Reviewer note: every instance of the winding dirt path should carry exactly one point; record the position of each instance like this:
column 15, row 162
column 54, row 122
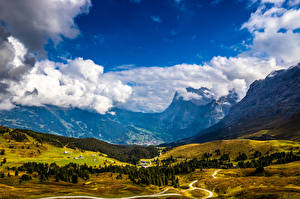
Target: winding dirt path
column 210, row 194
column 215, row 173
column 132, row 197
column 161, row 194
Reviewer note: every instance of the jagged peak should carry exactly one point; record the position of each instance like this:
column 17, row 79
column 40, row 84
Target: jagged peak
column 199, row 96
column 203, row 96
column 281, row 71
column 274, row 73
column 231, row 98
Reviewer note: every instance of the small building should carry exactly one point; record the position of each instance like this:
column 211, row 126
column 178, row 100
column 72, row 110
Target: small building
column 79, row 157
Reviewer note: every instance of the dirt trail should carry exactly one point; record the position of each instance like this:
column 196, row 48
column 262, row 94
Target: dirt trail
column 210, row 194
column 132, row 197
column 215, row 173
column 161, row 194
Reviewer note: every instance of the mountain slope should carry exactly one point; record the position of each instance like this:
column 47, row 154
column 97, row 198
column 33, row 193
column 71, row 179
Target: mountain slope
column 271, row 104
column 183, row 118
column 233, row 148
column 123, row 153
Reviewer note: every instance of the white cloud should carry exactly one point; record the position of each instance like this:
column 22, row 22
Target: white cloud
column 20, row 51
column 265, row 25
column 33, row 22
column 5, row 104
column 14, row 60
column 274, row 2
column 154, row 87
column 79, row 83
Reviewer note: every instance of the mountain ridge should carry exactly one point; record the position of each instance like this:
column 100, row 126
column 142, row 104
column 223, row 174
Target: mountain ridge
column 269, row 104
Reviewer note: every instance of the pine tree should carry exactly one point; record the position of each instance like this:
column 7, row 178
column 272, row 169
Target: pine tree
column 74, row 179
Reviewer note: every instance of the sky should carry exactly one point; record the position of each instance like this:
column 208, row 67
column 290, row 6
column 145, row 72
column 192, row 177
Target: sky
column 135, row 54
column 157, row 32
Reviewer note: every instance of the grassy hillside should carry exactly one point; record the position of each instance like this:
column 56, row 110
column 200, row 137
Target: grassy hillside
column 106, row 185
column 232, row 147
column 280, row 181
column 29, row 150
column 122, row 153
column 287, row 130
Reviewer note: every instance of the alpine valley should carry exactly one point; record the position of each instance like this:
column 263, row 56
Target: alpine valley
column 183, row 118
column 137, row 99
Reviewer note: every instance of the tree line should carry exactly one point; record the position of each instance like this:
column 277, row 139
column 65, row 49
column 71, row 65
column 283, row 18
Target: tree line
column 162, row 174
column 159, row 175
column 274, row 158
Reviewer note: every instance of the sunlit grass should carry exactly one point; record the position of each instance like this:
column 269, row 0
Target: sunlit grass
column 232, row 147
column 32, row 151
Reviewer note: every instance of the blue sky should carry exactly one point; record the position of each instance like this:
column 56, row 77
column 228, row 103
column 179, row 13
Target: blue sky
column 157, row 33
column 135, row 54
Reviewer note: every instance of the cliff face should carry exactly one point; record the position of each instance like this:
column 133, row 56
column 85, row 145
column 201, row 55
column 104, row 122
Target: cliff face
column 189, row 116
column 268, row 105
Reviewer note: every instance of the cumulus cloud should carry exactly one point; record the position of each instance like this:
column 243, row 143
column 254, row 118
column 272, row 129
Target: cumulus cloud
column 14, row 63
column 78, row 83
column 28, row 27
column 154, row 87
column 273, row 29
column 14, row 60
column 34, row 22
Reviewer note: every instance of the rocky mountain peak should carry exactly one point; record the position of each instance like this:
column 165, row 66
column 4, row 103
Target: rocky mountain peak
column 270, row 104
column 198, row 97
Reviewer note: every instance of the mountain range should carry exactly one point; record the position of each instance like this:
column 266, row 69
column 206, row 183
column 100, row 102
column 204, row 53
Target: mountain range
column 270, row 110
column 183, row 118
